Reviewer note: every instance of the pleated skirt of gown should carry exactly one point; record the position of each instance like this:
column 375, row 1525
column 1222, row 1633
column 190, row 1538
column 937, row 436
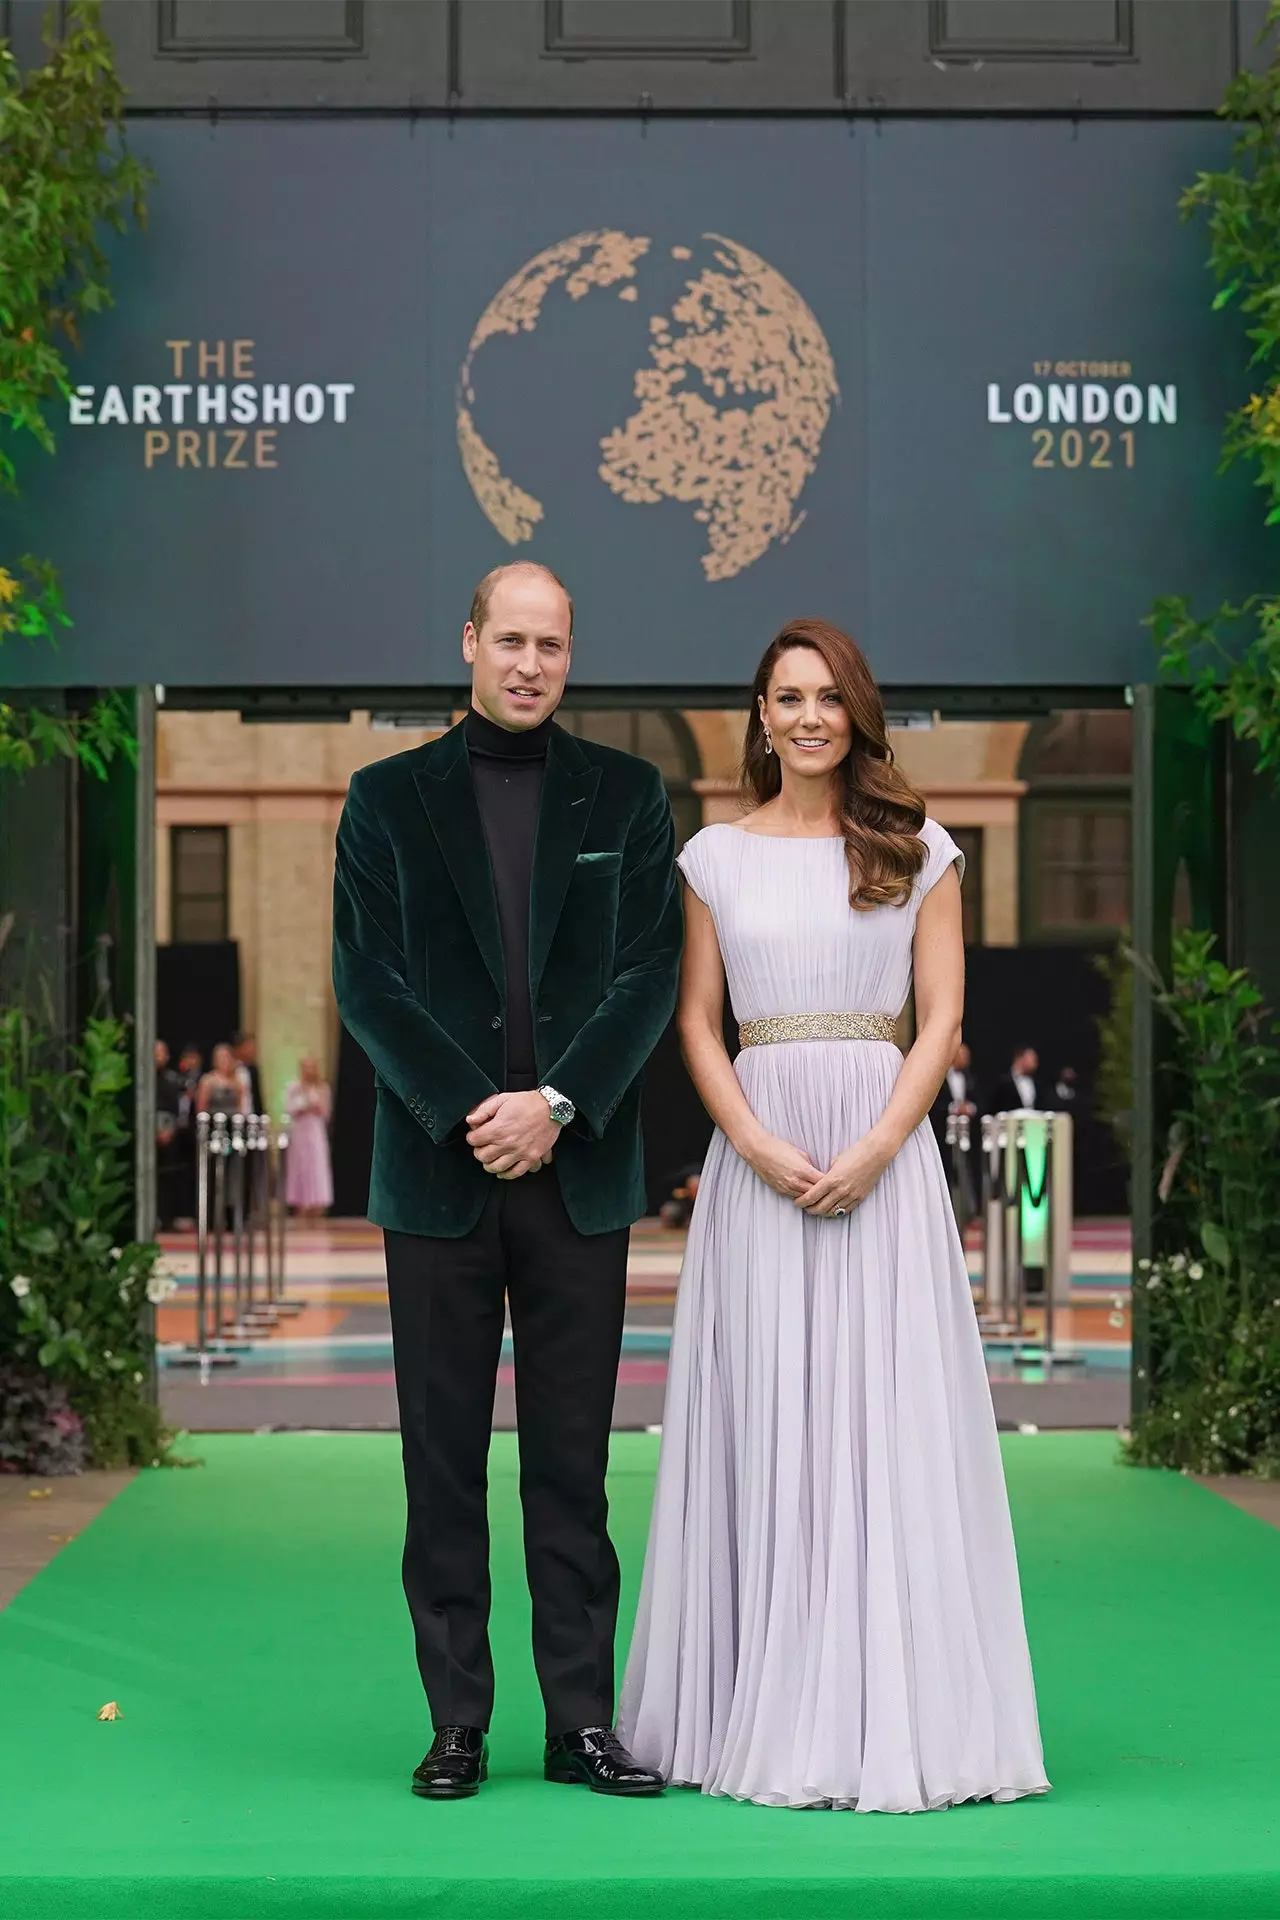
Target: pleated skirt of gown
column 831, row 1610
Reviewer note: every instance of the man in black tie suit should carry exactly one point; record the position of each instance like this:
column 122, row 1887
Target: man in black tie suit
column 1021, row 1086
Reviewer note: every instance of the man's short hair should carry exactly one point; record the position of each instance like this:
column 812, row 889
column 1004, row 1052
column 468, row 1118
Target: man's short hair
column 484, row 592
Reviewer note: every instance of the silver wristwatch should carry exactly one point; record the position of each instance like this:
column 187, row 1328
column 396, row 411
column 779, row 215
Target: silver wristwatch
column 562, row 1110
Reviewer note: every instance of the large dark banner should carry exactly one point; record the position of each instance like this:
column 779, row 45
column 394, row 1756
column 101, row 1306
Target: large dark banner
column 956, row 386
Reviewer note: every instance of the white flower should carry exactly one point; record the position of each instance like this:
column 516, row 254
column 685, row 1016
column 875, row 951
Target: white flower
column 137, row 1379
column 1233, row 1411
column 115, row 1253
column 1143, row 1265
column 107, row 1354
column 1153, row 1283
column 1196, row 1271
column 159, row 1287
column 20, row 1285
column 124, row 1291
column 1179, row 1262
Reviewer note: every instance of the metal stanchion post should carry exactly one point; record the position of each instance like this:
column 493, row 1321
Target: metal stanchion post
column 1019, row 1271
column 280, row 1137
column 200, row 1354
column 257, row 1314
column 227, row 1339
column 250, row 1318
column 202, row 1231
column 994, row 1318
column 1049, row 1276
column 957, row 1144
column 235, row 1172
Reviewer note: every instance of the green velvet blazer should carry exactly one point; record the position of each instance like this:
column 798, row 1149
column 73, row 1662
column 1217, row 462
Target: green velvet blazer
column 420, row 978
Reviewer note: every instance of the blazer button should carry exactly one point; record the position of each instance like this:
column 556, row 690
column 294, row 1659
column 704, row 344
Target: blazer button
column 496, row 1021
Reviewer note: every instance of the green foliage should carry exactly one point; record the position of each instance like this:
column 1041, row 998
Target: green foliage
column 1231, row 661
column 1214, row 1304
column 74, row 1287
column 65, row 176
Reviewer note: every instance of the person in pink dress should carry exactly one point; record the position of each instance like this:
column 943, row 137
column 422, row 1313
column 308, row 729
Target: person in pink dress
column 309, row 1181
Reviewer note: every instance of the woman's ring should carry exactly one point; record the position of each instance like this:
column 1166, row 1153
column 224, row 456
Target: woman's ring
column 838, row 1213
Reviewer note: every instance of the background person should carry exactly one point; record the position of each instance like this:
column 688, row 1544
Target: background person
column 245, row 1048
column 169, row 1165
column 309, row 1178
column 190, row 1073
column 1021, row 1085
column 224, row 1089
column 677, row 1210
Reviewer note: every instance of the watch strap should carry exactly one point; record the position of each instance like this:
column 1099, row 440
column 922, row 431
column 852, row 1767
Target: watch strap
column 562, row 1108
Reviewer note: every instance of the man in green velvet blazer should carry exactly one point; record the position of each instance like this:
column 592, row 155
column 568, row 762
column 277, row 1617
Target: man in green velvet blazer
column 507, row 933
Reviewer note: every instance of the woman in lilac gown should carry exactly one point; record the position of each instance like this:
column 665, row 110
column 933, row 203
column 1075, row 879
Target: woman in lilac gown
column 830, row 1612
column 309, row 1177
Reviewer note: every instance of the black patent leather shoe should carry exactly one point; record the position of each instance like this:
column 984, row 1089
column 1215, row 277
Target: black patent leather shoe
column 595, row 1757
column 458, row 1760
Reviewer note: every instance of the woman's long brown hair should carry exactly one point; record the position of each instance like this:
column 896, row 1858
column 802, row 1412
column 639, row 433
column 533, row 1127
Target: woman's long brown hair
column 881, row 814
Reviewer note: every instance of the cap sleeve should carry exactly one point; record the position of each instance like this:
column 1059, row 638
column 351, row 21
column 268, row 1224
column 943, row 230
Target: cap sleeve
column 941, row 853
column 694, row 863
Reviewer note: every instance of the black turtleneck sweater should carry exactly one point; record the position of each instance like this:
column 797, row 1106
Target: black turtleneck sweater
column 507, row 769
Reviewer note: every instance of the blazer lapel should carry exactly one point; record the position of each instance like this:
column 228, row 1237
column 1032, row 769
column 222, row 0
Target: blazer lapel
column 568, row 791
column 448, row 793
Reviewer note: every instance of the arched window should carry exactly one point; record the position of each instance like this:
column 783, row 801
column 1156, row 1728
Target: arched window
column 656, row 734
column 1075, row 827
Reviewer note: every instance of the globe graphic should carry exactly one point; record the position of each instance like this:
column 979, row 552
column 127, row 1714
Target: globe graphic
column 725, row 415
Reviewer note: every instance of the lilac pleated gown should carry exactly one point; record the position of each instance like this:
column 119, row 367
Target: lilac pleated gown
column 830, row 1609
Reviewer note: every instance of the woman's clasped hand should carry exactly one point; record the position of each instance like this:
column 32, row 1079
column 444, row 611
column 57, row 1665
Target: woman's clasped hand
column 832, row 1193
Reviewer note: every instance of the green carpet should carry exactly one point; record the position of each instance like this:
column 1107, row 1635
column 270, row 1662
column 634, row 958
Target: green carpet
column 248, row 1619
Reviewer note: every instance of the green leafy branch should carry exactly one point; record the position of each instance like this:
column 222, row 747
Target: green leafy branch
column 75, row 1288
column 1231, row 661
column 66, row 175
column 1214, row 1304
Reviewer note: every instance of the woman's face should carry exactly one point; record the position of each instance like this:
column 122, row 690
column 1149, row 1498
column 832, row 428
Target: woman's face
column 308, row 1072
column 805, row 714
column 224, row 1062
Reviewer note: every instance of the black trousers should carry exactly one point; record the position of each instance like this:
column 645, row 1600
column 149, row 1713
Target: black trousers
column 567, row 1294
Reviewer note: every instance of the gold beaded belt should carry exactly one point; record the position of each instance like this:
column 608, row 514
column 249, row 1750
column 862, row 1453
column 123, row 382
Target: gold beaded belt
column 818, row 1026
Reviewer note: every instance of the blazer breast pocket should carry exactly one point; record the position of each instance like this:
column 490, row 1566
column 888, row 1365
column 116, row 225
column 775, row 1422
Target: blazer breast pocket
column 607, row 862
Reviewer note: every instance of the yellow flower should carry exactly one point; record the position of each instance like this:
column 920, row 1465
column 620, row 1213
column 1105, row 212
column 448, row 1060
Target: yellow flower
column 9, row 588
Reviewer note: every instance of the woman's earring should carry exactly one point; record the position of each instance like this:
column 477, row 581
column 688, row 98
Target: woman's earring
column 768, row 740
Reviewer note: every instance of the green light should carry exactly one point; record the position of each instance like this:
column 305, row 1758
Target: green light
column 1035, row 1214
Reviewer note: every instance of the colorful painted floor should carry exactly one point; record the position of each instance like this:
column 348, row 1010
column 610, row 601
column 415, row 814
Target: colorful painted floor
column 330, row 1365
column 246, row 1618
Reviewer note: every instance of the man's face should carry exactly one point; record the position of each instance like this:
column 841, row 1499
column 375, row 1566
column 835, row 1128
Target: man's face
column 1027, row 1061
column 247, row 1050
column 520, row 657
column 962, row 1058
column 162, row 1053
